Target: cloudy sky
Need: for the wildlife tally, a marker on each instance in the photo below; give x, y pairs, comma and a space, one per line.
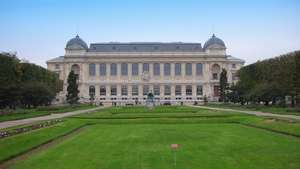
38, 30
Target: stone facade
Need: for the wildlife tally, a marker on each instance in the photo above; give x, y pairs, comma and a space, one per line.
124, 73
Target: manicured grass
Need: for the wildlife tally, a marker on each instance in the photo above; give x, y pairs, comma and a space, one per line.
262, 108
28, 113
14, 145
136, 137
205, 146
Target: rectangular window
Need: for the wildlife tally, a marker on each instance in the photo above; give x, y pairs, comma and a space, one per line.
124, 69
199, 90
188, 90
113, 69
156, 69
135, 69
167, 69
92, 69
92, 91
177, 69
146, 67
178, 90
56, 66
234, 76
124, 90
156, 89
102, 69
188, 69
233, 66
145, 90
102, 90
215, 76
167, 90
113, 90
216, 91
199, 69
135, 90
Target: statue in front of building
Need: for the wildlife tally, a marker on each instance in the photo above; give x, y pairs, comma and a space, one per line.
150, 100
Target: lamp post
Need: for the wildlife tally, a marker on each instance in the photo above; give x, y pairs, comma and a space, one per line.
174, 148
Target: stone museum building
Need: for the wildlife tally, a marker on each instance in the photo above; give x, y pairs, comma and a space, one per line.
125, 73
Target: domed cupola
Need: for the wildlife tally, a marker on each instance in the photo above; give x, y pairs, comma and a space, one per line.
76, 44
214, 42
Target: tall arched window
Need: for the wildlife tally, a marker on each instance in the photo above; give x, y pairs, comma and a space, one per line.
102, 69
76, 69
92, 69
199, 69
113, 69
177, 69
135, 69
124, 69
215, 71
188, 69
156, 69
167, 69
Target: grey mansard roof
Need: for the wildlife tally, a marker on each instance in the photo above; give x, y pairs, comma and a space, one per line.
231, 58
145, 47
57, 59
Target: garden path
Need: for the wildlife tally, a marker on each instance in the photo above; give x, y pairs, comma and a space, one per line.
256, 113
13, 123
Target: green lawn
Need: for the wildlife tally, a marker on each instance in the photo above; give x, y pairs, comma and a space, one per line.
138, 138
131, 146
42, 111
262, 108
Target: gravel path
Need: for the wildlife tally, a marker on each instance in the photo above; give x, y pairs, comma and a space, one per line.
13, 123
256, 113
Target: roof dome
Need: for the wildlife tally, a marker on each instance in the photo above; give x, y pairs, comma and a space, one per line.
76, 43
214, 41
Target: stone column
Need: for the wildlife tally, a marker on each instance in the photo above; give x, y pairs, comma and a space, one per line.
108, 71
118, 90
162, 91
194, 89
129, 67
183, 70
172, 71
118, 71
129, 88
161, 65
151, 70
194, 70
183, 90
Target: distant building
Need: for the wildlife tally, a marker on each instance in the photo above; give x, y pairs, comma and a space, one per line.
126, 72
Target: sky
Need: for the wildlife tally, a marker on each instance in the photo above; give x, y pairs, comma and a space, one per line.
252, 30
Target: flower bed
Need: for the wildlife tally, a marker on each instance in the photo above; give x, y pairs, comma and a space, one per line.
24, 129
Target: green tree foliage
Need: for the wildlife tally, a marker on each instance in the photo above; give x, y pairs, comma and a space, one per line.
269, 81
223, 85
36, 94
72, 89
14, 75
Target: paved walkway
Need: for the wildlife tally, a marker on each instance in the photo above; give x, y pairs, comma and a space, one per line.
256, 113
13, 123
